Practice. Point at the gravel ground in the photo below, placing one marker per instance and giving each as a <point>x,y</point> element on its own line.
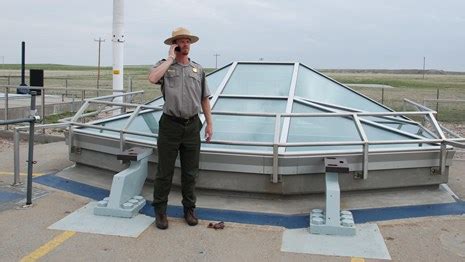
<point>459,129</point>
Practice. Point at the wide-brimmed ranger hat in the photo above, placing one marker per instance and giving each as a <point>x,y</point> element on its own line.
<point>181,32</point>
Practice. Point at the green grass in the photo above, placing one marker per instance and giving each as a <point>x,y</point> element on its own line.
<point>52,119</point>
<point>402,80</point>
<point>407,84</point>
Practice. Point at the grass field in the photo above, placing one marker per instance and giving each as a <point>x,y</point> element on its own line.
<point>404,83</point>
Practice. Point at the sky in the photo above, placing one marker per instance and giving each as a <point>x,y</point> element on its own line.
<point>331,34</point>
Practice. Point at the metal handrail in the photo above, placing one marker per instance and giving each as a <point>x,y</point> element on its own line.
<point>276,144</point>
<point>419,106</point>
<point>31,120</point>
<point>43,90</point>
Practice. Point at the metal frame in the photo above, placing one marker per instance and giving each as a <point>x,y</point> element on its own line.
<point>355,116</point>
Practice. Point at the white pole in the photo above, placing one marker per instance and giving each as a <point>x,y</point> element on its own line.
<point>118,48</point>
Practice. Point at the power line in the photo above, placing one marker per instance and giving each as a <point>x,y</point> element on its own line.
<point>100,40</point>
<point>216,60</point>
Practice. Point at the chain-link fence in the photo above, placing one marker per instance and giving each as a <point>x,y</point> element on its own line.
<point>391,97</point>
<point>72,82</point>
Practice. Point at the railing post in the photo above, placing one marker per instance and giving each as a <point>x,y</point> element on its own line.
<point>277,135</point>
<point>66,87</point>
<point>16,136</point>
<point>363,137</point>
<point>7,90</point>
<point>442,159</point>
<point>30,158</point>
<point>43,109</point>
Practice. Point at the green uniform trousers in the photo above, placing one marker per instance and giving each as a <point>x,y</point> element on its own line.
<point>173,137</point>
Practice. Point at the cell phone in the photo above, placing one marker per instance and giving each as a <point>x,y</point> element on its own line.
<point>177,49</point>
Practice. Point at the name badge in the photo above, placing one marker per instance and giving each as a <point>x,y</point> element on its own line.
<point>194,69</point>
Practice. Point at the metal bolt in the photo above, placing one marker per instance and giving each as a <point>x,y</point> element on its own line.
<point>127,205</point>
<point>347,222</point>
<point>346,217</point>
<point>318,221</point>
<point>345,212</point>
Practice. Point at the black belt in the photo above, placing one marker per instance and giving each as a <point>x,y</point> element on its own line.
<point>181,120</point>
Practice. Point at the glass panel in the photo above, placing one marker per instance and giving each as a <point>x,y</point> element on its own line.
<point>147,123</point>
<point>215,78</point>
<point>378,134</point>
<point>242,128</point>
<point>259,79</point>
<point>320,129</point>
<point>139,124</point>
<point>313,86</point>
<point>157,102</point>
<point>251,105</point>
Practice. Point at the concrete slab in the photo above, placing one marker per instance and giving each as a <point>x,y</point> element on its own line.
<point>84,220</point>
<point>50,158</point>
<point>367,243</point>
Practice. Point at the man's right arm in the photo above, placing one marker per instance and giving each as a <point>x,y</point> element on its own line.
<point>158,71</point>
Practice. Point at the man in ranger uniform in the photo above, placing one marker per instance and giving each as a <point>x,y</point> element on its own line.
<point>185,92</point>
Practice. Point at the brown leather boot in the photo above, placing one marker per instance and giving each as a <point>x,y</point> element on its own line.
<point>161,220</point>
<point>190,217</point>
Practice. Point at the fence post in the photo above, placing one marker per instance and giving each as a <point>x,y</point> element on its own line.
<point>382,95</point>
<point>72,103</point>
<point>66,87</point>
<point>437,104</point>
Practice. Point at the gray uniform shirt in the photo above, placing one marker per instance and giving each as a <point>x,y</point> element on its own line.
<point>182,89</point>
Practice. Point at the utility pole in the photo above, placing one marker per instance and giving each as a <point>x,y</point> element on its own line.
<point>216,60</point>
<point>424,63</point>
<point>98,67</point>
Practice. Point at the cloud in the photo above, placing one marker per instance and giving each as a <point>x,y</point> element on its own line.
<point>330,34</point>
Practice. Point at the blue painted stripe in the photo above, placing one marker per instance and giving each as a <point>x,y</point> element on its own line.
<point>72,186</point>
<point>9,196</point>
<point>288,221</point>
<point>389,213</point>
